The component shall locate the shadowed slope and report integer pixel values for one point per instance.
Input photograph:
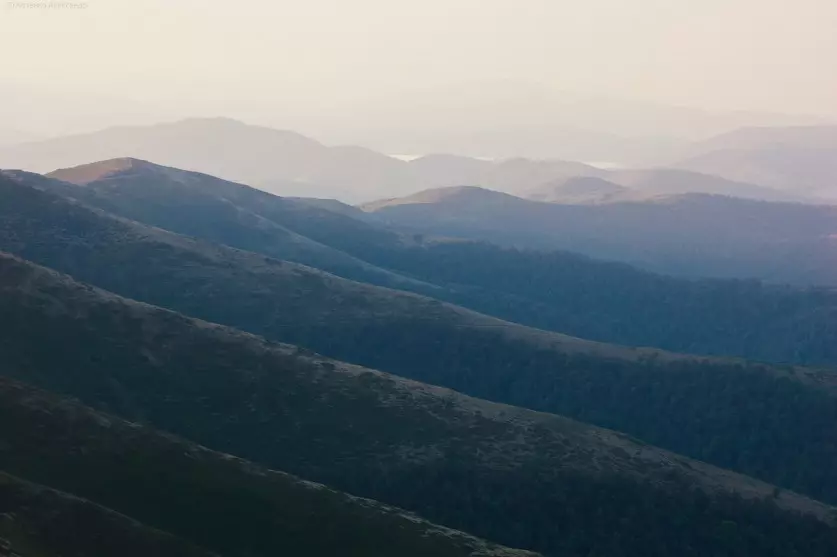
(772, 422)
(41, 522)
(219, 501)
(538, 480)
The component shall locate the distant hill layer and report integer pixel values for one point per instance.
(556, 291)
(291, 164)
(691, 234)
(796, 159)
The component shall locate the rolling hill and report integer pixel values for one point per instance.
(556, 291)
(579, 190)
(223, 212)
(37, 521)
(647, 184)
(685, 235)
(225, 148)
(229, 505)
(291, 164)
(798, 160)
(671, 181)
(687, 404)
(280, 161)
(546, 482)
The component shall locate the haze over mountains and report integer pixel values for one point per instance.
(508, 118)
(483, 278)
(493, 118)
(466, 463)
(800, 159)
(290, 164)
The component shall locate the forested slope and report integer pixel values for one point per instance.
(518, 477)
(558, 291)
(704, 408)
(216, 500)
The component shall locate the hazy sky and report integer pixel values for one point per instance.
(776, 55)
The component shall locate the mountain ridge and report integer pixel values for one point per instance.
(379, 434)
(543, 290)
(612, 386)
(691, 235)
(288, 163)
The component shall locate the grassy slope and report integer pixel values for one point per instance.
(555, 291)
(516, 476)
(42, 522)
(688, 235)
(222, 502)
(698, 406)
(219, 211)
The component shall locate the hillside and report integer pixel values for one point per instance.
(616, 303)
(685, 235)
(579, 189)
(543, 481)
(556, 291)
(644, 185)
(226, 148)
(223, 212)
(332, 205)
(41, 522)
(672, 181)
(687, 404)
(219, 501)
(505, 174)
(799, 160)
(808, 172)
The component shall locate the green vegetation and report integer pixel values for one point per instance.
(557, 291)
(612, 302)
(516, 477)
(702, 408)
(41, 522)
(218, 501)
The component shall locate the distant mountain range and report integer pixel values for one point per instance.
(290, 164)
(222, 147)
(278, 161)
(802, 160)
(508, 118)
(13, 136)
